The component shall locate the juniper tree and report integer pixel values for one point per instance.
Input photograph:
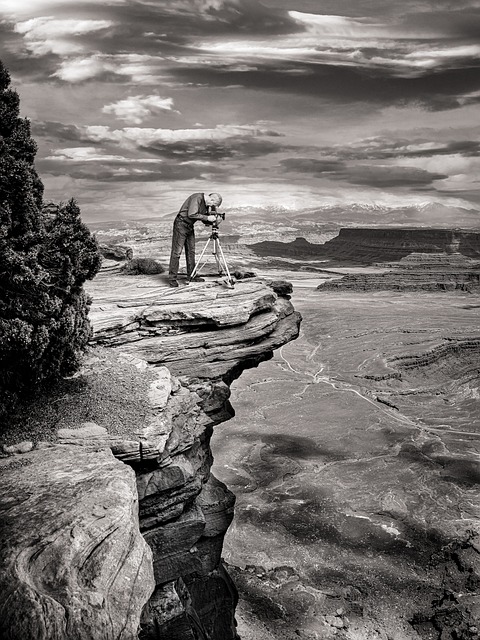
(45, 257)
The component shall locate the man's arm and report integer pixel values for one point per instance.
(194, 210)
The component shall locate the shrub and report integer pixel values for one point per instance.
(138, 266)
(45, 257)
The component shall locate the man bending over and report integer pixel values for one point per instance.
(196, 207)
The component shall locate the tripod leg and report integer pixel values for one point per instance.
(231, 282)
(216, 247)
(197, 267)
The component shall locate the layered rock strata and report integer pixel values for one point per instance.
(74, 564)
(92, 567)
(369, 245)
(416, 272)
(377, 244)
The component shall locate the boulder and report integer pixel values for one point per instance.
(74, 564)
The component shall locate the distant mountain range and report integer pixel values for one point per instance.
(327, 217)
(424, 215)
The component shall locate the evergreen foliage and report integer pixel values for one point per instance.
(46, 254)
(137, 266)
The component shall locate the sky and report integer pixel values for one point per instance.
(135, 104)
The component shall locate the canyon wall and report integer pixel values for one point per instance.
(378, 245)
(415, 272)
(128, 521)
(368, 245)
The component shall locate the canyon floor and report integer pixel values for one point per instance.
(354, 456)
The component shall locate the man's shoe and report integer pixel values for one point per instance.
(197, 279)
(173, 283)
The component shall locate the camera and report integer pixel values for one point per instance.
(219, 216)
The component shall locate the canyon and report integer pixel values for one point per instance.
(399, 259)
(364, 245)
(355, 458)
(352, 463)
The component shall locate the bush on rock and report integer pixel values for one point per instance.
(137, 266)
(45, 257)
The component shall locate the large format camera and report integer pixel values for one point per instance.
(219, 216)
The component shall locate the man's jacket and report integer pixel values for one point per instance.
(194, 208)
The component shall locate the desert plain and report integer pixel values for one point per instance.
(353, 473)
(354, 453)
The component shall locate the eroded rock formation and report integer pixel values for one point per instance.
(74, 564)
(377, 244)
(416, 272)
(369, 245)
(90, 566)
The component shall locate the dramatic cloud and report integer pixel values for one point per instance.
(311, 165)
(370, 175)
(91, 163)
(374, 101)
(343, 85)
(381, 148)
(219, 142)
(48, 35)
(26, 7)
(390, 176)
(92, 154)
(136, 108)
(136, 68)
(134, 174)
(174, 154)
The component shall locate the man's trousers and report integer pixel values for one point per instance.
(183, 236)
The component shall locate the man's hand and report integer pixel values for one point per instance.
(211, 218)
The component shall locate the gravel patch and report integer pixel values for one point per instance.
(107, 390)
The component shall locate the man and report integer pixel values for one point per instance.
(196, 207)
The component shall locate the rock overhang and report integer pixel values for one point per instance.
(201, 331)
(199, 340)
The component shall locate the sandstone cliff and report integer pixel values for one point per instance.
(112, 524)
(369, 245)
(379, 245)
(416, 272)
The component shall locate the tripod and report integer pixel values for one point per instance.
(219, 256)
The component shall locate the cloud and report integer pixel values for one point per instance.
(14, 8)
(229, 42)
(223, 141)
(451, 165)
(193, 151)
(311, 165)
(369, 175)
(50, 35)
(58, 131)
(136, 108)
(92, 47)
(342, 85)
(143, 136)
(390, 176)
(136, 68)
(92, 154)
(222, 16)
(134, 137)
(343, 42)
(92, 163)
(381, 148)
(460, 183)
(337, 26)
(138, 175)
(17, 8)
(473, 97)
